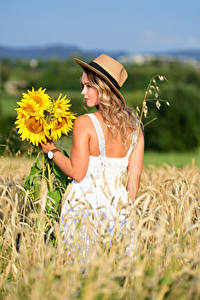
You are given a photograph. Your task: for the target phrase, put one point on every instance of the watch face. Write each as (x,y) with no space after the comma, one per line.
(50,154)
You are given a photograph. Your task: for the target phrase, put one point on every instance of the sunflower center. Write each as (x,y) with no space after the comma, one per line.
(34,125)
(59,124)
(29,108)
(38,99)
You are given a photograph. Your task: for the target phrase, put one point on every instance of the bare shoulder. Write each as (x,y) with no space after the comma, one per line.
(82,120)
(82,123)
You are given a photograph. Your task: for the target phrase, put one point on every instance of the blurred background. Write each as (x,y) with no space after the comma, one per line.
(38,40)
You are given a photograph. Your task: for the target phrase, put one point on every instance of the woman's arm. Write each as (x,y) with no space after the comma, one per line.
(76,166)
(135,168)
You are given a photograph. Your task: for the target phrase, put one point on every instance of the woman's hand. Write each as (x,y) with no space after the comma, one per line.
(46,147)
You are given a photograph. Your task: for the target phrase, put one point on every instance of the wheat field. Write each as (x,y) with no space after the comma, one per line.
(157,258)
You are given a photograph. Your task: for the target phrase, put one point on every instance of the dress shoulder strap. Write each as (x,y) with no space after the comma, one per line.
(99,132)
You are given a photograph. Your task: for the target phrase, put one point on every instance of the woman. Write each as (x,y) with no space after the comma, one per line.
(107,149)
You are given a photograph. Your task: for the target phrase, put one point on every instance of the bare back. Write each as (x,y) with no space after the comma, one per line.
(114,146)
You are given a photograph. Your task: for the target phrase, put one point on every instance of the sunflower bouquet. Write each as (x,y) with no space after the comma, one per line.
(41,118)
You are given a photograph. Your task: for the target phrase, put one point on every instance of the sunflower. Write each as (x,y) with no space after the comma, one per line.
(33,129)
(28,108)
(30,122)
(61,106)
(40,118)
(62,125)
(62,118)
(39,97)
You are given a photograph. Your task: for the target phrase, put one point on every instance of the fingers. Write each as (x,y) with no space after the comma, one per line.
(49,141)
(46,147)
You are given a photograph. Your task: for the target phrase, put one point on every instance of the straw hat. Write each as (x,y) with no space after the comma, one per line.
(109,69)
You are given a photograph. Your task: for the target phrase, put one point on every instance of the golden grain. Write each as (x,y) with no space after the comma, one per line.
(156,256)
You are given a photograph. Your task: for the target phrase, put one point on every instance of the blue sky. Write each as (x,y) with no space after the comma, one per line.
(129,25)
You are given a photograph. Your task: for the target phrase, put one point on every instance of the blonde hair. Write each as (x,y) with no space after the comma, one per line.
(118,117)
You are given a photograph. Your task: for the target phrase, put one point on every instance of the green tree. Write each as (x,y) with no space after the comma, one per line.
(176,128)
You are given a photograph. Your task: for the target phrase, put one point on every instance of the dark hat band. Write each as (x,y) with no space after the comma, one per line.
(104,72)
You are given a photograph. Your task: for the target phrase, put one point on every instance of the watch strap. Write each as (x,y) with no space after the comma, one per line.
(50,153)
(54,150)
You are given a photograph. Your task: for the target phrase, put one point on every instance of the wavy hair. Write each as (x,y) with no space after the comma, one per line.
(117,116)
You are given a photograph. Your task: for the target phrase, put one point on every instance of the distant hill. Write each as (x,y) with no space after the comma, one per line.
(64,51)
(52,51)
(189,53)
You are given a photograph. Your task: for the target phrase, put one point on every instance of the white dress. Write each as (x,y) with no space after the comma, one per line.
(99,195)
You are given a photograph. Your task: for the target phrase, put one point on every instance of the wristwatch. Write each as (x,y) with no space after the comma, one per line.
(50,154)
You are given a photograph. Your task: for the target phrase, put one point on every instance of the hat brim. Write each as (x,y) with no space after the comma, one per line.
(87,66)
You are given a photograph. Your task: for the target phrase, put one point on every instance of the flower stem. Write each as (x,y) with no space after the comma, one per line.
(49,177)
(43,166)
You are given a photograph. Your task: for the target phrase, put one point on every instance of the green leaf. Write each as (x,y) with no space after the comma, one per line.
(55,195)
(32,180)
(60,176)
(38,164)
(36,193)
(57,171)
(27,183)
(34,170)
